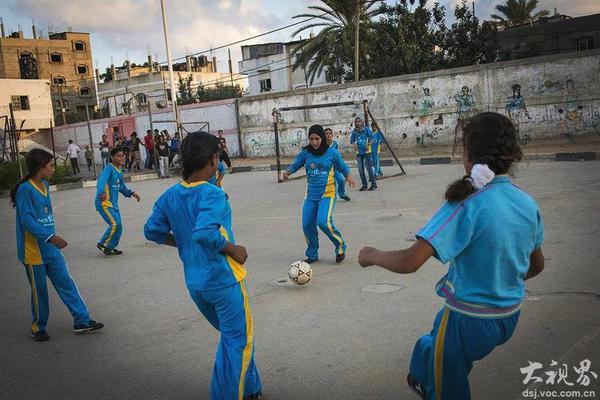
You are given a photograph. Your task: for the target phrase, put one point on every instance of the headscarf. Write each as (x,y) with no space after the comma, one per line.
(317,129)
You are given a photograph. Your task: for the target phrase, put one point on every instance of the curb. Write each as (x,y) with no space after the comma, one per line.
(578,156)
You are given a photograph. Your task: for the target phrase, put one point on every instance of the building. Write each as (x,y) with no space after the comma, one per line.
(133,88)
(551,35)
(64,59)
(31,103)
(269,68)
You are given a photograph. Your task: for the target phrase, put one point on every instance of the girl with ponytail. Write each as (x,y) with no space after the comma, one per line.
(491,233)
(38,248)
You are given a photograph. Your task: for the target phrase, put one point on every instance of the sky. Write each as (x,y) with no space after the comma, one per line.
(122,29)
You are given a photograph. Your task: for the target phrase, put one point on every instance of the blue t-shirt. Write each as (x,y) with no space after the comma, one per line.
(199,216)
(376,142)
(320,172)
(487,239)
(218,173)
(35,225)
(111,182)
(363,140)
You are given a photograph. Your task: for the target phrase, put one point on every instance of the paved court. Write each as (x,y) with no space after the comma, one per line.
(347,335)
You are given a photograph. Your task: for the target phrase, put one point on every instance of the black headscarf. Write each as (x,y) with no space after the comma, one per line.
(317,129)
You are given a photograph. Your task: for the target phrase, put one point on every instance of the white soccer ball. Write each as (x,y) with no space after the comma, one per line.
(300,272)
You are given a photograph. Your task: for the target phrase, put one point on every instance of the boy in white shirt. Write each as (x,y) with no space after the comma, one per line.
(73,153)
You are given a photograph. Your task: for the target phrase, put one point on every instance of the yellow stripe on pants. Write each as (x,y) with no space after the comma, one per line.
(330,226)
(439,354)
(249,340)
(113,227)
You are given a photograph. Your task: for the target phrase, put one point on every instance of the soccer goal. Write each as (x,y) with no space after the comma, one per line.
(279,122)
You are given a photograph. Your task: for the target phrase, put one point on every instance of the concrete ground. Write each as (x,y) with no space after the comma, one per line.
(348,334)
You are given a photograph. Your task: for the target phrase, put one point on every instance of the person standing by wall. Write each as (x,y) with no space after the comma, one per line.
(104,147)
(224,156)
(163,156)
(149,145)
(89,157)
(135,152)
(73,153)
(361,139)
(175,145)
(376,150)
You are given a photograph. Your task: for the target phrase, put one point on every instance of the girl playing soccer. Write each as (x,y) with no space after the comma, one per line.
(491,233)
(38,248)
(320,162)
(376,149)
(195,217)
(109,184)
(339,178)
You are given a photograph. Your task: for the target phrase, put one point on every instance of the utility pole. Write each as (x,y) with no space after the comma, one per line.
(230,69)
(169,63)
(356,42)
(62,106)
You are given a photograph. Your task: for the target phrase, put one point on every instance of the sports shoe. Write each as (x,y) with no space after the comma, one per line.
(112,252)
(100,247)
(416,386)
(346,197)
(93,326)
(340,257)
(372,188)
(310,260)
(40,336)
(255,396)
(362,189)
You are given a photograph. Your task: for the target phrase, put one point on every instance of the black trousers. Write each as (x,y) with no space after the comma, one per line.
(75,166)
(225,158)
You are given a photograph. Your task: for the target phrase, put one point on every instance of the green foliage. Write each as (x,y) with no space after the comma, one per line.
(106,76)
(9,174)
(184,88)
(219,91)
(63,173)
(517,12)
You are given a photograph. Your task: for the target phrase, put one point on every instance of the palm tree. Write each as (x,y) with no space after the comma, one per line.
(333,46)
(516,12)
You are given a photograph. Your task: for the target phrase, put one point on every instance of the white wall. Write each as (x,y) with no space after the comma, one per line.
(40,114)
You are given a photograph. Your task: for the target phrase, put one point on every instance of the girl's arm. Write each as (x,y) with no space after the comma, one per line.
(296,165)
(536,264)
(399,261)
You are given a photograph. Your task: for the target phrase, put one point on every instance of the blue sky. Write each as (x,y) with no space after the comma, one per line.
(128,28)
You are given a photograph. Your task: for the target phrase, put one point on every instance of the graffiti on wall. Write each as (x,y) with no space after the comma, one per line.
(515,109)
(466,106)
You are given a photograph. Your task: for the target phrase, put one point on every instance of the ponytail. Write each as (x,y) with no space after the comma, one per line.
(35,160)
(13,191)
(460,189)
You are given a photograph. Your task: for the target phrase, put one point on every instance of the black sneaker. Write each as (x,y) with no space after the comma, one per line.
(340,257)
(40,336)
(416,387)
(372,188)
(100,247)
(93,326)
(255,396)
(112,252)
(362,189)
(346,197)
(310,260)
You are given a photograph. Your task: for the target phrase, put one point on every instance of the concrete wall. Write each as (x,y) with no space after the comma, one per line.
(561,95)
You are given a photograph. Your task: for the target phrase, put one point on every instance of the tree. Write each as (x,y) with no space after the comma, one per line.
(516,12)
(184,87)
(333,47)
(468,42)
(218,92)
(106,76)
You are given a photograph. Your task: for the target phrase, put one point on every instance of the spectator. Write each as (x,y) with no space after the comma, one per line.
(135,152)
(175,144)
(127,152)
(163,153)
(104,151)
(224,153)
(116,136)
(73,152)
(89,157)
(149,144)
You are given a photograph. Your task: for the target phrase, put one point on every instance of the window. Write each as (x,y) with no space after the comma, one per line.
(584,43)
(20,102)
(57,104)
(141,98)
(58,80)
(56,58)
(79,46)
(82,69)
(265,85)
(85,92)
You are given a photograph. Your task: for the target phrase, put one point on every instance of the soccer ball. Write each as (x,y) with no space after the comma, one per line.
(300,272)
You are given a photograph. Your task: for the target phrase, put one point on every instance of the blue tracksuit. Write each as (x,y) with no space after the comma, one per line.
(375,150)
(111,182)
(34,226)
(364,159)
(320,198)
(199,216)
(220,172)
(488,239)
(340,179)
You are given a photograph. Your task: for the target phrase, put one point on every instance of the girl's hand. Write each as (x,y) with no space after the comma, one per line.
(366,256)
(239,254)
(136,196)
(350,181)
(58,241)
